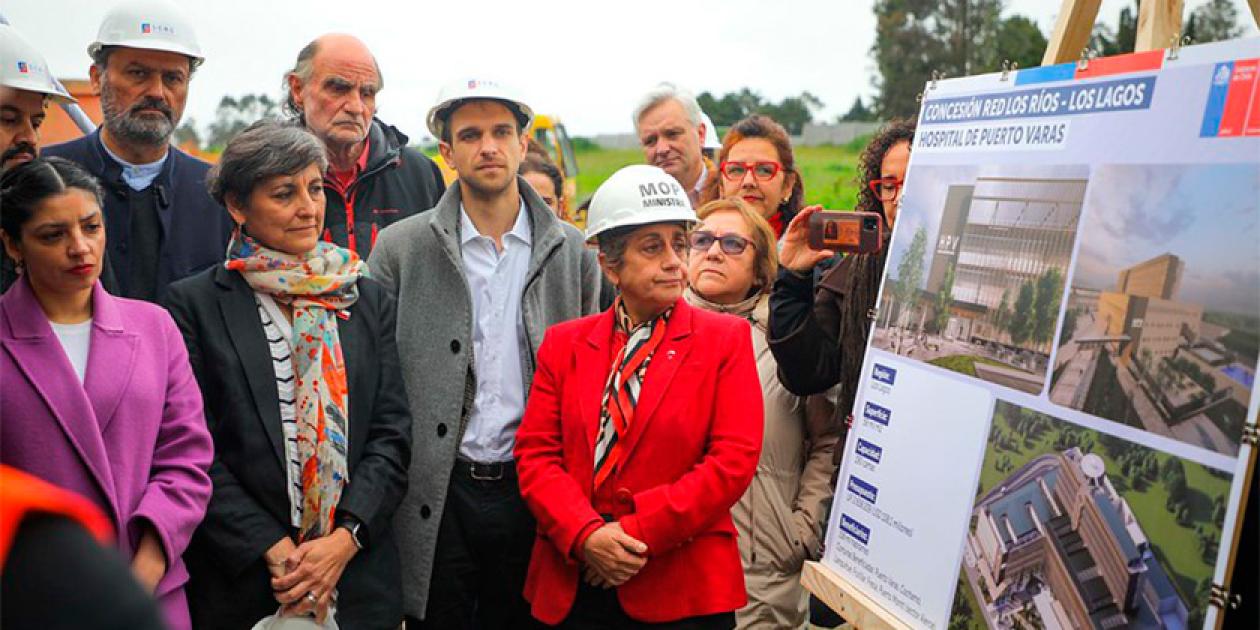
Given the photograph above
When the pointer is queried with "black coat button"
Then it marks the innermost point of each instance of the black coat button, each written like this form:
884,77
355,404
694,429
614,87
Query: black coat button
455,346
425,511
441,429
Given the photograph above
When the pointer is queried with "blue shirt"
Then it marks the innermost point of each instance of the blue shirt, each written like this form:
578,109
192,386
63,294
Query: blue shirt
138,176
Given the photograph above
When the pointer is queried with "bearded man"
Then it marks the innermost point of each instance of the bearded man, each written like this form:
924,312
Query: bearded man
161,223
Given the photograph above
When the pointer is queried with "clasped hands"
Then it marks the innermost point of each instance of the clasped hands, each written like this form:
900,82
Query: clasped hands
304,577
611,557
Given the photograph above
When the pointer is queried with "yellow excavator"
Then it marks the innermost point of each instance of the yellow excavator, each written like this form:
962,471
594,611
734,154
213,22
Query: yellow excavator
550,133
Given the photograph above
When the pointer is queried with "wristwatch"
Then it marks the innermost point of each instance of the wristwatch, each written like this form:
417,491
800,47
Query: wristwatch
352,525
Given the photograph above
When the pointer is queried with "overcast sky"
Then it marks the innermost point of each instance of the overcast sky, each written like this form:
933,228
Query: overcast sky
1204,214
586,62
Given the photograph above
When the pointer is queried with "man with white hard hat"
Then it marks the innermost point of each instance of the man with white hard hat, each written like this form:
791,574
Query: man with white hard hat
672,131
483,275
26,86
712,143
161,222
373,179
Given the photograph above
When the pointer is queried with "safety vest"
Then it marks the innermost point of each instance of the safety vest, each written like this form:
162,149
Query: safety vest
22,495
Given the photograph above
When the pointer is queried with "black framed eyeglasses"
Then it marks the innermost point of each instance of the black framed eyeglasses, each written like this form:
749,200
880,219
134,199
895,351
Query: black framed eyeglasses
732,244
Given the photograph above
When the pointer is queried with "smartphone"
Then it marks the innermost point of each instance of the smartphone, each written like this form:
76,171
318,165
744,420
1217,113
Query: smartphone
849,232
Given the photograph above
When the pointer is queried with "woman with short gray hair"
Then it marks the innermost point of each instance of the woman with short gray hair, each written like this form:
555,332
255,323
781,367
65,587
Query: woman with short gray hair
642,429
293,347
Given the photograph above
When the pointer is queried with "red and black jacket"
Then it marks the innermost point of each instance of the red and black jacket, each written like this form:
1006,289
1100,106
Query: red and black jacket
397,182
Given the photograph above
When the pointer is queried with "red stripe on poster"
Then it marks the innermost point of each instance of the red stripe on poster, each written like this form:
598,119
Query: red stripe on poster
1241,86
1252,128
1122,64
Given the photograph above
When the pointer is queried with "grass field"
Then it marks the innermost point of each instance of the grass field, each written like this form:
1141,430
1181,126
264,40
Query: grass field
1175,544
828,172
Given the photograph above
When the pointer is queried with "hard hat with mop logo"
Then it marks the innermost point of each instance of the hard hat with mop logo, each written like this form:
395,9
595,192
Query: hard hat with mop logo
637,195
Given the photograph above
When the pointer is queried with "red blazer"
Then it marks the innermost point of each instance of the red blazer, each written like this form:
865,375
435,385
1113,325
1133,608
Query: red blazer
692,450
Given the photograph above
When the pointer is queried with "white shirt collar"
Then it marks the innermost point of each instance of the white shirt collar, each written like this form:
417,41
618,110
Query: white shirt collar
521,230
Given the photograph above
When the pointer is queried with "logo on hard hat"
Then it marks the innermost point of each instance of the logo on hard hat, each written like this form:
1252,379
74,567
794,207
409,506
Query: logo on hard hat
30,67
662,194
149,28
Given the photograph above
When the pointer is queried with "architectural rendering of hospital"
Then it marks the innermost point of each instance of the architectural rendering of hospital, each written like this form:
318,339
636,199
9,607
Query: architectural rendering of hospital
1054,545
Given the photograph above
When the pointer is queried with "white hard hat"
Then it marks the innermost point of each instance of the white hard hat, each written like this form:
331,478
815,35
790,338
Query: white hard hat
711,140
149,25
456,92
638,194
23,68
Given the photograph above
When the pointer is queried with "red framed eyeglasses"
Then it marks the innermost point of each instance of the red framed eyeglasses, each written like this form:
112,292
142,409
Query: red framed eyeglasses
762,171
886,188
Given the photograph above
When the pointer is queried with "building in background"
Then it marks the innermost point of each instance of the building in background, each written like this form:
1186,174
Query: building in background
999,234
1145,309
58,126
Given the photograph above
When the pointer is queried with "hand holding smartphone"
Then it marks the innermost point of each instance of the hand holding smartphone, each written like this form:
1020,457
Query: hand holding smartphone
849,232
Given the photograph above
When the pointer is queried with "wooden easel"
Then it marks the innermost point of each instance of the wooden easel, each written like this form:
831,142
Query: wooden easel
859,610
1159,21
1159,26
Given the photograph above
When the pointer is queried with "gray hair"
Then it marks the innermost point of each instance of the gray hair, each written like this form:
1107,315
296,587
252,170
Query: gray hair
264,149
664,92
303,68
613,243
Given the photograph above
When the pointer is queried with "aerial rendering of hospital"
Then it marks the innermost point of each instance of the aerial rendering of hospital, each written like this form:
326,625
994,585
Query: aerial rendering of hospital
1054,545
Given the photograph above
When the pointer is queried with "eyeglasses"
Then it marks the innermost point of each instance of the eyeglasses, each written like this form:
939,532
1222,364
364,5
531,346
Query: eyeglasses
762,171
886,188
732,244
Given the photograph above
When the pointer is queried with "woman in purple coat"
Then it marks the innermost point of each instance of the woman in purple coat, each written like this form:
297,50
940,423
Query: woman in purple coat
97,395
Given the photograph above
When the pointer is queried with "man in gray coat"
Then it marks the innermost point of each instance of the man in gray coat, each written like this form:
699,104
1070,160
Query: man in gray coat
478,281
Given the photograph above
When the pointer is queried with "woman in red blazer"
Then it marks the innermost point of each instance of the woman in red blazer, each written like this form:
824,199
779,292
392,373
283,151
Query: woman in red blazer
643,428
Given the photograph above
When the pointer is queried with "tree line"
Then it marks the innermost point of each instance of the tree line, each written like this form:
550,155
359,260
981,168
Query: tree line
913,38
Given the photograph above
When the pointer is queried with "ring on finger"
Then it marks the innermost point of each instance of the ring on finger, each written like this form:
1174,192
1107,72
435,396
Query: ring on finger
311,597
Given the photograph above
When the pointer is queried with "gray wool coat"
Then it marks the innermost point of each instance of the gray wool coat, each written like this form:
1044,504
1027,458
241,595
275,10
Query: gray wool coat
418,260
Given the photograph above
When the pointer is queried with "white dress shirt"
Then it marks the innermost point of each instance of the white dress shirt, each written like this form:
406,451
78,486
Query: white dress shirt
697,190
496,281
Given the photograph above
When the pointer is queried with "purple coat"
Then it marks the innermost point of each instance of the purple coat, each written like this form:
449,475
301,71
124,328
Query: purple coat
132,438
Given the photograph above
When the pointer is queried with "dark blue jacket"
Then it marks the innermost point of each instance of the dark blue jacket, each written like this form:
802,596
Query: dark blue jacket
195,229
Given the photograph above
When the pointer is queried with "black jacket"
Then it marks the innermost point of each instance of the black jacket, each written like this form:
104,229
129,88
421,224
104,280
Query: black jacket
229,583
818,332
195,229
396,182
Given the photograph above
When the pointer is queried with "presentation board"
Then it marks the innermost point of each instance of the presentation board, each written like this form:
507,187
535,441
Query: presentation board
1057,404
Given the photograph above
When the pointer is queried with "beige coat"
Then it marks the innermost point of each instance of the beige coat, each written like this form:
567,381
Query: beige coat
780,516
